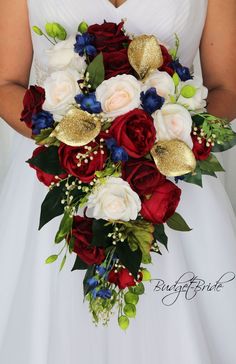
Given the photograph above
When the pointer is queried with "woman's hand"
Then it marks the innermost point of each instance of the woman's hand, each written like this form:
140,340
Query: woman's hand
15,61
218,57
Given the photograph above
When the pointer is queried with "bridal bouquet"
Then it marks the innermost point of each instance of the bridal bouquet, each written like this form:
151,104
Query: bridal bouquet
118,121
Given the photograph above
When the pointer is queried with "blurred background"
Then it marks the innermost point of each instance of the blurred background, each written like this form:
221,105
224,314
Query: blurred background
227,158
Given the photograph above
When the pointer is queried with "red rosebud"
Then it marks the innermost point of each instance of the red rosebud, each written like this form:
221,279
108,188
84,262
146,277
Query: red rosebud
32,102
135,132
43,177
167,59
84,171
200,150
116,63
82,232
108,37
123,278
142,175
162,204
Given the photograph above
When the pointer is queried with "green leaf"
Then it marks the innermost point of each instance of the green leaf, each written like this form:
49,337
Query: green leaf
160,235
96,71
79,264
51,259
194,178
48,161
52,206
211,164
89,274
100,233
65,227
63,263
225,146
44,137
131,260
176,222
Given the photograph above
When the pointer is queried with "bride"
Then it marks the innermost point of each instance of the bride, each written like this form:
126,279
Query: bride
43,319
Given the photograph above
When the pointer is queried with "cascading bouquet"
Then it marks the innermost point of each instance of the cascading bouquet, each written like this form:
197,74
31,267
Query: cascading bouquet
114,117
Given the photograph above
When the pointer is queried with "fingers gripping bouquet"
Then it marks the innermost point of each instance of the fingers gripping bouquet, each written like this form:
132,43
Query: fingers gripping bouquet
116,120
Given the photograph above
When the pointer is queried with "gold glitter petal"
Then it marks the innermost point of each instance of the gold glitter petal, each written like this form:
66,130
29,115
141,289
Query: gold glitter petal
145,55
173,158
77,128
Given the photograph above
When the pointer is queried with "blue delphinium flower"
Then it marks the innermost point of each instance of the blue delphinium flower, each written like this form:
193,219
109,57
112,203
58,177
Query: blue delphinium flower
183,72
104,293
118,154
151,101
89,103
41,120
84,45
101,270
92,282
179,178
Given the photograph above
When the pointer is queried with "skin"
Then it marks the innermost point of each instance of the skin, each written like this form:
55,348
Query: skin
217,51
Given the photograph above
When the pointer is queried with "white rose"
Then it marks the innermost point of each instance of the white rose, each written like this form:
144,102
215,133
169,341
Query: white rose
114,200
173,122
60,89
193,94
62,55
119,94
162,82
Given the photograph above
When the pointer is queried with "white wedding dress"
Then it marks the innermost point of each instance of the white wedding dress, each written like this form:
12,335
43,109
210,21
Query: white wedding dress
43,319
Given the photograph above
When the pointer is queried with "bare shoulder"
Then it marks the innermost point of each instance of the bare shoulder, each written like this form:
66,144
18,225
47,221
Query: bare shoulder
15,42
218,51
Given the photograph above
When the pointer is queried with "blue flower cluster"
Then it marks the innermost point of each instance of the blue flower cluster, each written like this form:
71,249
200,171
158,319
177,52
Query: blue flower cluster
89,103
93,282
183,72
84,45
151,101
41,120
118,154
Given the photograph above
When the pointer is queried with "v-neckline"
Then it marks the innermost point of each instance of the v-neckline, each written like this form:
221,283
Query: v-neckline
116,7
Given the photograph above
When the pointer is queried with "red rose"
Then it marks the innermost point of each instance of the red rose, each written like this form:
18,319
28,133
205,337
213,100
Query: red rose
116,63
43,177
123,278
108,36
82,232
135,132
162,204
201,151
32,102
167,60
85,168
142,175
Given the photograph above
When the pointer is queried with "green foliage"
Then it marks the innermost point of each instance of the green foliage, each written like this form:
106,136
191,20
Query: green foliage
48,161
130,259
160,235
51,259
63,263
101,230
79,264
65,226
52,206
195,178
176,222
211,164
96,71
44,138
139,235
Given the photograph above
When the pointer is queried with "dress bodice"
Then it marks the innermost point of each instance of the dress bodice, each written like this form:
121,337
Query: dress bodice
162,18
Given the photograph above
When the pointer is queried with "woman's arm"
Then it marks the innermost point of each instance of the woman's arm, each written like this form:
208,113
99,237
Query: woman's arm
218,57
15,61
